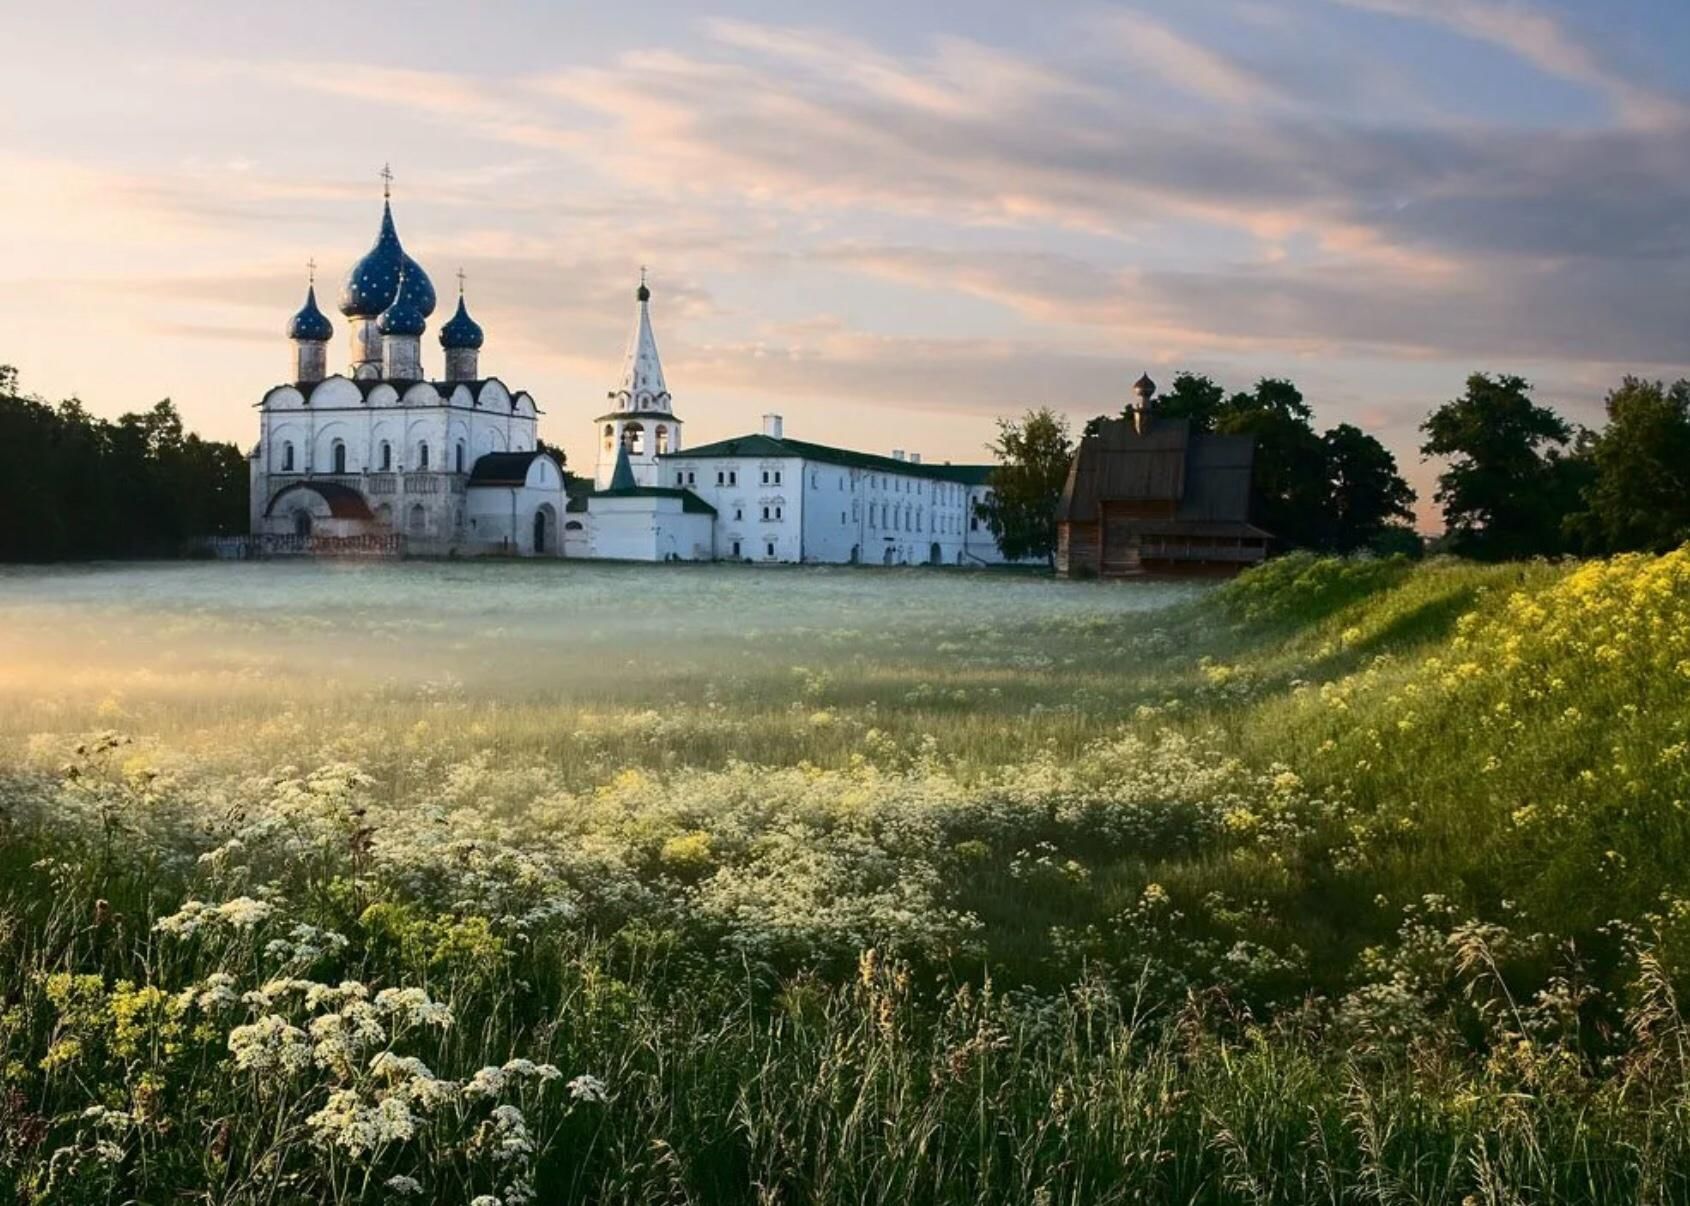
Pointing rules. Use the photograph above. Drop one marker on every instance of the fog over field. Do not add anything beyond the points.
(214, 649)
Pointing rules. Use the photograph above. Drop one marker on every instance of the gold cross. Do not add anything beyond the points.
(460, 282)
(386, 181)
(311, 267)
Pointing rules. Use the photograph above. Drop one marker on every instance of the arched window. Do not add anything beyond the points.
(386, 455)
(422, 456)
(418, 519)
(337, 456)
(287, 456)
(609, 436)
(633, 435)
(458, 454)
(662, 439)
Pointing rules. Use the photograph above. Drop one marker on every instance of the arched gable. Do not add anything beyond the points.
(422, 394)
(283, 397)
(335, 392)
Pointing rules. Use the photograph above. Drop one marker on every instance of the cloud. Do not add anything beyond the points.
(1184, 64)
(1542, 41)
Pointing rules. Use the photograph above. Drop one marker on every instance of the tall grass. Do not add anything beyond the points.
(1345, 882)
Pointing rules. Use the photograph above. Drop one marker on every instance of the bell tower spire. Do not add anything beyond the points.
(641, 419)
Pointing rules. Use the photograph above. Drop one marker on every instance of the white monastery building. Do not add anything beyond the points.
(381, 459)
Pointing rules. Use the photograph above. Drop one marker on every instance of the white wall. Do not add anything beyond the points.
(644, 528)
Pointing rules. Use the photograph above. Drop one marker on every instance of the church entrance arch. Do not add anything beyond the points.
(302, 524)
(418, 519)
(889, 555)
(935, 555)
(545, 529)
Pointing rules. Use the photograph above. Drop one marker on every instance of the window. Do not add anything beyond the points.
(609, 436)
(633, 436)
(973, 523)
(337, 456)
(692, 478)
(662, 438)
(739, 512)
(287, 457)
(386, 455)
(458, 457)
(777, 477)
(422, 456)
(721, 478)
(842, 519)
(736, 548)
(765, 477)
(733, 477)
(769, 548)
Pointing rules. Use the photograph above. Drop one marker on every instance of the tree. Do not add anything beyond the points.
(1638, 498)
(1192, 397)
(1291, 490)
(1033, 454)
(73, 485)
(1367, 494)
(1510, 483)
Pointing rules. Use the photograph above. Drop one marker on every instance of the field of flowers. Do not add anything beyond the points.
(1344, 882)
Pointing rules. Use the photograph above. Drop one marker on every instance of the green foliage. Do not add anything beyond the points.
(1033, 455)
(1368, 496)
(1639, 499)
(1510, 483)
(73, 486)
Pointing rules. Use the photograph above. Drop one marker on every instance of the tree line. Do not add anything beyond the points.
(1519, 480)
(76, 486)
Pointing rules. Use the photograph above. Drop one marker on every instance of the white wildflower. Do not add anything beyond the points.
(587, 1088)
(412, 1005)
(409, 1186)
(489, 1082)
(269, 1044)
(243, 912)
(347, 1123)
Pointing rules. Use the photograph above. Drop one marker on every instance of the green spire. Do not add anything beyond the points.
(623, 477)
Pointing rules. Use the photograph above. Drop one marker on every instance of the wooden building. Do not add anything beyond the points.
(1148, 495)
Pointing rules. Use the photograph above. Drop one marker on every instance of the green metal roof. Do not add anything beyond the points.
(765, 446)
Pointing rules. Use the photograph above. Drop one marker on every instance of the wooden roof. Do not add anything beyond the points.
(1206, 476)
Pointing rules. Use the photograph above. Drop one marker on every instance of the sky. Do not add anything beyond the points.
(890, 222)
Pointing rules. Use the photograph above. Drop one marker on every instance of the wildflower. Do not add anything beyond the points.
(271, 1044)
(409, 1186)
(587, 1088)
(347, 1123)
(489, 1082)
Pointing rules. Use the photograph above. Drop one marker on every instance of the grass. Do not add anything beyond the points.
(1351, 882)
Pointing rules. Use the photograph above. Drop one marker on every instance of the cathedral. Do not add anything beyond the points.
(382, 460)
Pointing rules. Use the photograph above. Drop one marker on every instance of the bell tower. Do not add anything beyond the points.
(641, 421)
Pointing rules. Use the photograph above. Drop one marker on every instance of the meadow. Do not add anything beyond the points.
(1360, 881)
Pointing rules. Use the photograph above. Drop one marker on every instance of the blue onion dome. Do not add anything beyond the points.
(461, 331)
(374, 280)
(422, 289)
(406, 315)
(310, 325)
